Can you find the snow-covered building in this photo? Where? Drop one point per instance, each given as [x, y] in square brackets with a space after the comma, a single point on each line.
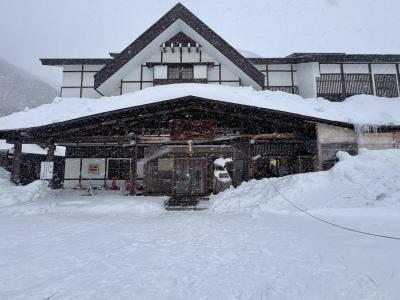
[165, 139]
[179, 47]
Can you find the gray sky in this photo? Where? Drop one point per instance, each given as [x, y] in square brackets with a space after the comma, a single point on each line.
[91, 28]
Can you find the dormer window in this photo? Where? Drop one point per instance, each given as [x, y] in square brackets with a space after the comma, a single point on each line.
[180, 72]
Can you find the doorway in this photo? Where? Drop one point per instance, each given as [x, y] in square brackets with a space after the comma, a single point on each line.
[190, 176]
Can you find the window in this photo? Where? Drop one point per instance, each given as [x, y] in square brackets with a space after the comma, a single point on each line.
[180, 72]
[386, 85]
[118, 169]
[330, 86]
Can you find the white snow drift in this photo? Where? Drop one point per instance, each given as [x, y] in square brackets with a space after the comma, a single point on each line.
[62, 245]
[370, 179]
[358, 110]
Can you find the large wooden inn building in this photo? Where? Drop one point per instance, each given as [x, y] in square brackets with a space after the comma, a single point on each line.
[169, 147]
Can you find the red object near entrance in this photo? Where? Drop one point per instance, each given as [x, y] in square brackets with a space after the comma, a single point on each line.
[128, 185]
[114, 184]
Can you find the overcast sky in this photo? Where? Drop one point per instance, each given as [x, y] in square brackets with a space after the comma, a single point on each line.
[91, 28]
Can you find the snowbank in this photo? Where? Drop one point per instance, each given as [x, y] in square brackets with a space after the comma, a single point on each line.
[357, 110]
[370, 179]
[12, 195]
[36, 198]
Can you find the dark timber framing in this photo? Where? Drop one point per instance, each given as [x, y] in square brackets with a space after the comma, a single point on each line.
[109, 127]
[178, 12]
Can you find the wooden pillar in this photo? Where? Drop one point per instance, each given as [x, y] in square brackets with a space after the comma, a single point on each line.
[133, 168]
[16, 163]
[50, 152]
[371, 80]
[50, 158]
[343, 81]
[398, 78]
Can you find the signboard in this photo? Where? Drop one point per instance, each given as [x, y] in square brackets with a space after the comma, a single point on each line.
[94, 169]
[187, 129]
[46, 170]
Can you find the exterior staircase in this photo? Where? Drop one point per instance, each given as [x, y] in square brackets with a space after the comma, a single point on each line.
[185, 203]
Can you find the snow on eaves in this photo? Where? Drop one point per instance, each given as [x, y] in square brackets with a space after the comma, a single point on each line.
[358, 110]
[32, 149]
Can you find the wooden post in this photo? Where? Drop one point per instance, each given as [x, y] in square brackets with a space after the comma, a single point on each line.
[133, 168]
[371, 80]
[50, 158]
[16, 163]
[343, 80]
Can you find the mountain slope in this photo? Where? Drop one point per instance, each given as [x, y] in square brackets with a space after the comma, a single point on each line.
[20, 89]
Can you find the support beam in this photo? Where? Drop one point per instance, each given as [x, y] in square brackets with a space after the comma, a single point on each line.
[50, 158]
[16, 163]
[133, 168]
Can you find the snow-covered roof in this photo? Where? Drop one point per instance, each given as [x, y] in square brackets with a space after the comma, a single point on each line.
[357, 110]
[32, 149]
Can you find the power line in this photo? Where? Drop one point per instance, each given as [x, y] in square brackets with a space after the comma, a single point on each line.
[328, 222]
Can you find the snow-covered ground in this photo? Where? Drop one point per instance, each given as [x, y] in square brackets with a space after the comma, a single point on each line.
[62, 245]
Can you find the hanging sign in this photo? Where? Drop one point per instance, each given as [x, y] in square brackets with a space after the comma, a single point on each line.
[46, 170]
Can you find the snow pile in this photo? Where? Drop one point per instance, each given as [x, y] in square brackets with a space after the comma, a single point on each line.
[12, 195]
[37, 198]
[221, 162]
[359, 110]
[370, 179]
[32, 148]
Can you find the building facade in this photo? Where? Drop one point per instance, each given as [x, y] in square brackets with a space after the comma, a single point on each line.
[169, 147]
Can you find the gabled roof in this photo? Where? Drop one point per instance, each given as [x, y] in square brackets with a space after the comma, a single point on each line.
[178, 12]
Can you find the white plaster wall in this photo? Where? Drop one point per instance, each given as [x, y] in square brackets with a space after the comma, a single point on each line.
[280, 78]
[155, 57]
[207, 57]
[279, 67]
[172, 57]
[213, 73]
[200, 72]
[160, 72]
[148, 73]
[383, 68]
[129, 87]
[72, 166]
[71, 79]
[375, 141]
[227, 74]
[333, 134]
[355, 68]
[71, 92]
[191, 56]
[147, 85]
[90, 93]
[88, 79]
[329, 68]
[306, 75]
[382, 140]
[134, 75]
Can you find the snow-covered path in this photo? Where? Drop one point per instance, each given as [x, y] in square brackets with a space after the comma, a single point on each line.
[53, 254]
